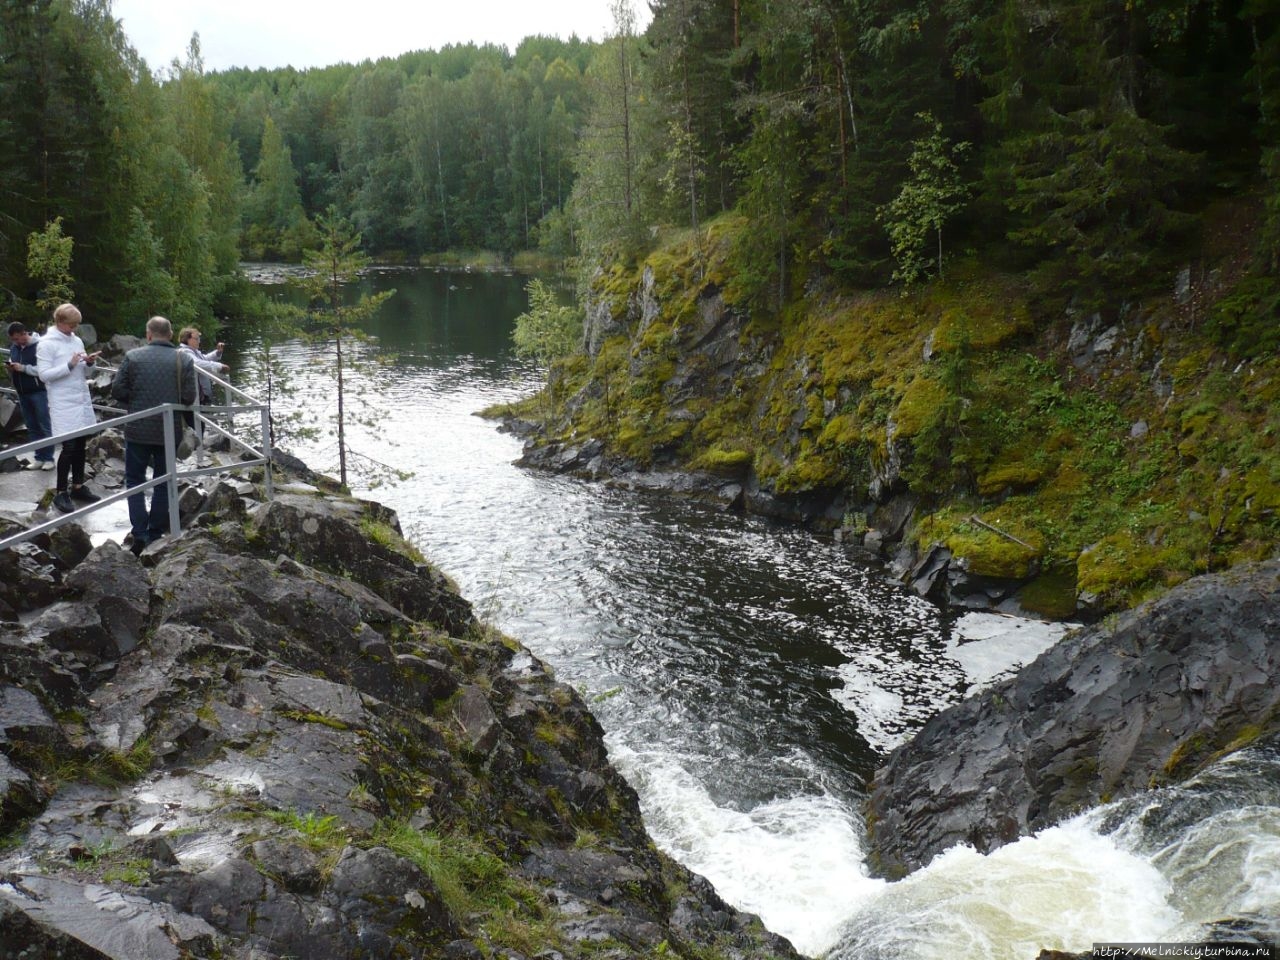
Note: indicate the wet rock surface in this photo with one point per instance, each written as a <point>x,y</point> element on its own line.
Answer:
<point>1110,711</point>
<point>278,735</point>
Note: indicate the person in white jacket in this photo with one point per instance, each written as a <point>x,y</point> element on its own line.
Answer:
<point>61,362</point>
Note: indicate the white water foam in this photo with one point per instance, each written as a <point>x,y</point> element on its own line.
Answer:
<point>892,697</point>
<point>797,862</point>
<point>1228,864</point>
<point>1064,889</point>
<point>989,646</point>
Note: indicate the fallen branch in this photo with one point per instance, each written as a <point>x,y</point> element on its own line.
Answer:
<point>1007,536</point>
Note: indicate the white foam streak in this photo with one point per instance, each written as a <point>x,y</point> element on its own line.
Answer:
<point>989,646</point>
<point>797,862</point>
<point>1063,889</point>
<point>1227,864</point>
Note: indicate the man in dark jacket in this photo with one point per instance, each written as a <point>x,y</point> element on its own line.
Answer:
<point>33,401</point>
<point>148,376</point>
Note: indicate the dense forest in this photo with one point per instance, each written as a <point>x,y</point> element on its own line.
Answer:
<point>1082,142</point>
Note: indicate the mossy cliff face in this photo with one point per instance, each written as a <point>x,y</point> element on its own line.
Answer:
<point>283,734</point>
<point>1080,459</point>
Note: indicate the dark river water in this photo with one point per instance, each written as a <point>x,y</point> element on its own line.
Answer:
<point>750,676</point>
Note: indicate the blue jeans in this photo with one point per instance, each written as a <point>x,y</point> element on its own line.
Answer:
<point>35,414</point>
<point>146,526</point>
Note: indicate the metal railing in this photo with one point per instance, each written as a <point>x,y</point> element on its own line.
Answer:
<point>236,401</point>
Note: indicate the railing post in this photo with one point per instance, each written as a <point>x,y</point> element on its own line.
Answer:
<point>171,468</point>
<point>196,423</point>
<point>266,452</point>
<point>167,414</point>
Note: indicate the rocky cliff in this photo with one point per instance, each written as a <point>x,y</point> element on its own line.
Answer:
<point>1108,712</point>
<point>283,734</point>
<point>996,451</point>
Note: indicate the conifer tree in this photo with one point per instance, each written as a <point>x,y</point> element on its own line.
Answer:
<point>335,321</point>
<point>276,223</point>
<point>607,195</point>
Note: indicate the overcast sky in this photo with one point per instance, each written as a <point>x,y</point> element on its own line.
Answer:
<point>313,33</point>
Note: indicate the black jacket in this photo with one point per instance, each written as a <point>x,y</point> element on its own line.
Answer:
<point>148,376</point>
<point>25,382</point>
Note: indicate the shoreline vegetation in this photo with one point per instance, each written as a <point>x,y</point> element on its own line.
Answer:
<point>989,288</point>
<point>992,449</point>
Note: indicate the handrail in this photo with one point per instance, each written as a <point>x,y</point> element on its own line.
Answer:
<point>171,475</point>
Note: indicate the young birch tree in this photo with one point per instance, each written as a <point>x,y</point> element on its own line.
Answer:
<point>931,196</point>
<point>548,332</point>
<point>49,263</point>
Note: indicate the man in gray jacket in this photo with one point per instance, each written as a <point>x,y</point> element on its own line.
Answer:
<point>148,376</point>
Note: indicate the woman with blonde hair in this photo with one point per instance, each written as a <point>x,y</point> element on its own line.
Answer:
<point>62,364</point>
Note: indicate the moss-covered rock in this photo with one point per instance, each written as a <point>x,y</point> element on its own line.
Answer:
<point>1156,458</point>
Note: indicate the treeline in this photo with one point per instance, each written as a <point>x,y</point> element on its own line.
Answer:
<point>1081,140</point>
<point>164,180</point>
<point>866,141</point>
<point>463,148</point>
<point>141,176</point>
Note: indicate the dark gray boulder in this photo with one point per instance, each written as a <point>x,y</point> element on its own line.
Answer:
<point>1109,711</point>
<point>93,922</point>
<point>269,737</point>
<point>112,581</point>
<point>19,795</point>
<point>334,541</point>
<point>76,628</point>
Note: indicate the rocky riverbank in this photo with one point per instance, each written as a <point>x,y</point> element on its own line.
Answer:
<point>995,452</point>
<point>1145,698</point>
<point>284,734</point>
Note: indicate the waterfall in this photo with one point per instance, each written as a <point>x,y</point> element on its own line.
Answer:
<point>1170,865</point>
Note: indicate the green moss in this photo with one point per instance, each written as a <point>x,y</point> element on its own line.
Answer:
<point>984,552</point>
<point>1012,474</point>
<point>972,319</point>
<point>813,469</point>
<point>476,885</point>
<point>995,423</point>
<point>1052,594</point>
<point>1184,759</point>
<point>310,716</point>
<point>918,406</point>
<point>108,768</point>
<point>385,535</point>
<point>133,872</point>
<point>1246,736</point>
<point>842,431</point>
<point>726,463</point>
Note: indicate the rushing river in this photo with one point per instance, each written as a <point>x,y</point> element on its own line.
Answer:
<point>750,676</point>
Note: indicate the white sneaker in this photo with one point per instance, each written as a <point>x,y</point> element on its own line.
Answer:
<point>46,464</point>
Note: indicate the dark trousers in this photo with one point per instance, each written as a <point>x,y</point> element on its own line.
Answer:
<point>35,414</point>
<point>71,462</point>
<point>138,457</point>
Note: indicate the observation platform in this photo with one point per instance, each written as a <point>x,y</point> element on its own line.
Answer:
<point>22,492</point>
